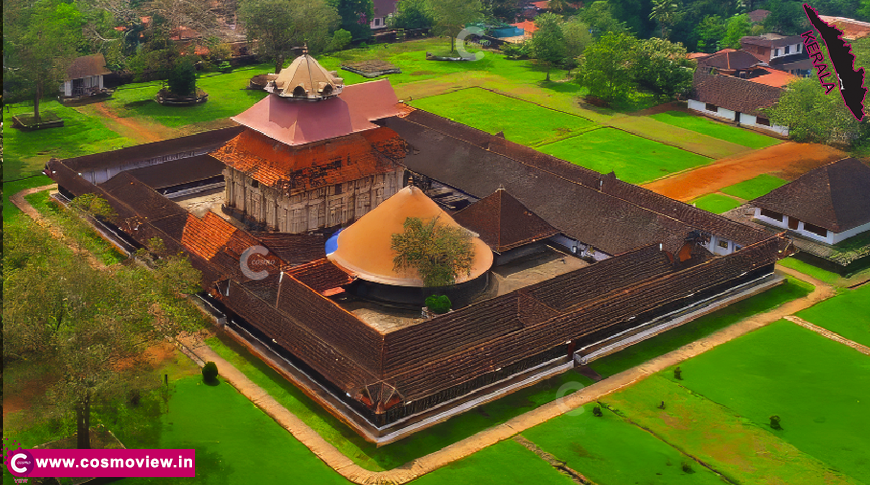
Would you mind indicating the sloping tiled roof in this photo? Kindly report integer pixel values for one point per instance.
(734, 93)
(777, 79)
(616, 216)
(206, 236)
(294, 248)
(528, 26)
(84, 66)
(758, 15)
(503, 222)
(835, 197)
(321, 276)
(297, 169)
(729, 59)
(294, 123)
(852, 29)
(178, 172)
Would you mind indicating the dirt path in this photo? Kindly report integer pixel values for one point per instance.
(829, 334)
(787, 160)
(25, 207)
(416, 468)
(131, 128)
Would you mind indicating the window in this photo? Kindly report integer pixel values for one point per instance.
(773, 215)
(338, 189)
(787, 49)
(815, 229)
(762, 121)
(800, 47)
(793, 223)
(775, 52)
(377, 22)
(711, 107)
(723, 244)
(737, 247)
(254, 183)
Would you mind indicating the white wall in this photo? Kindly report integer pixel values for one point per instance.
(727, 114)
(719, 113)
(582, 250)
(839, 236)
(751, 120)
(792, 49)
(714, 247)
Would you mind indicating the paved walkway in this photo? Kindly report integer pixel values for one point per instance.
(416, 468)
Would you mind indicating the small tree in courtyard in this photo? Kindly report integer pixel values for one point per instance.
(182, 79)
(548, 44)
(437, 251)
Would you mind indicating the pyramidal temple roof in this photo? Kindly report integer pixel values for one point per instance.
(293, 123)
(834, 197)
(364, 247)
(503, 222)
(306, 79)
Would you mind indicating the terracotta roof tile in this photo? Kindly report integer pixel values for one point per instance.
(321, 276)
(503, 222)
(734, 93)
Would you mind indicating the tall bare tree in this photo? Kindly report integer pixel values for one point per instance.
(451, 16)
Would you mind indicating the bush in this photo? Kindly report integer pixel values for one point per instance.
(438, 303)
(210, 372)
(678, 374)
(596, 411)
(340, 39)
(687, 467)
(516, 51)
(182, 79)
(774, 422)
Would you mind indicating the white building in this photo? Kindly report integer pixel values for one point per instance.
(85, 77)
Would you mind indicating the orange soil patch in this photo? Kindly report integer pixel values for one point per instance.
(131, 127)
(787, 160)
(23, 398)
(155, 355)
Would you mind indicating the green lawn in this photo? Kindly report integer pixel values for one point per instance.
(847, 314)
(755, 187)
(808, 269)
(227, 97)
(634, 159)
(234, 441)
(715, 129)
(716, 203)
(820, 389)
(699, 328)
(25, 152)
(742, 451)
(396, 454)
(610, 451)
(501, 463)
(522, 122)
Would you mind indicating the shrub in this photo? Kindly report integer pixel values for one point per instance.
(687, 467)
(209, 372)
(596, 411)
(774, 422)
(182, 79)
(516, 51)
(340, 39)
(678, 374)
(438, 303)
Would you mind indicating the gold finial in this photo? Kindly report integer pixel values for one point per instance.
(305, 49)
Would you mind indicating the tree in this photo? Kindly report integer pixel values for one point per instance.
(356, 15)
(577, 37)
(548, 43)
(785, 17)
(90, 326)
(662, 67)
(40, 44)
(830, 122)
(281, 25)
(182, 79)
(606, 66)
(736, 28)
(599, 18)
(451, 16)
(437, 251)
(709, 33)
(666, 13)
(340, 39)
(504, 10)
(411, 14)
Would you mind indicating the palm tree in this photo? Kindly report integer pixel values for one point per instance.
(666, 13)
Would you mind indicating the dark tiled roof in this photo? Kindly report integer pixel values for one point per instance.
(835, 197)
(729, 60)
(616, 216)
(734, 93)
(503, 222)
(201, 142)
(179, 172)
(92, 65)
(294, 248)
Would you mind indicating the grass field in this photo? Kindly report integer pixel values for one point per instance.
(227, 97)
(25, 152)
(716, 203)
(734, 446)
(847, 314)
(715, 129)
(503, 462)
(808, 269)
(396, 454)
(610, 451)
(699, 328)
(755, 187)
(820, 389)
(634, 159)
(522, 122)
